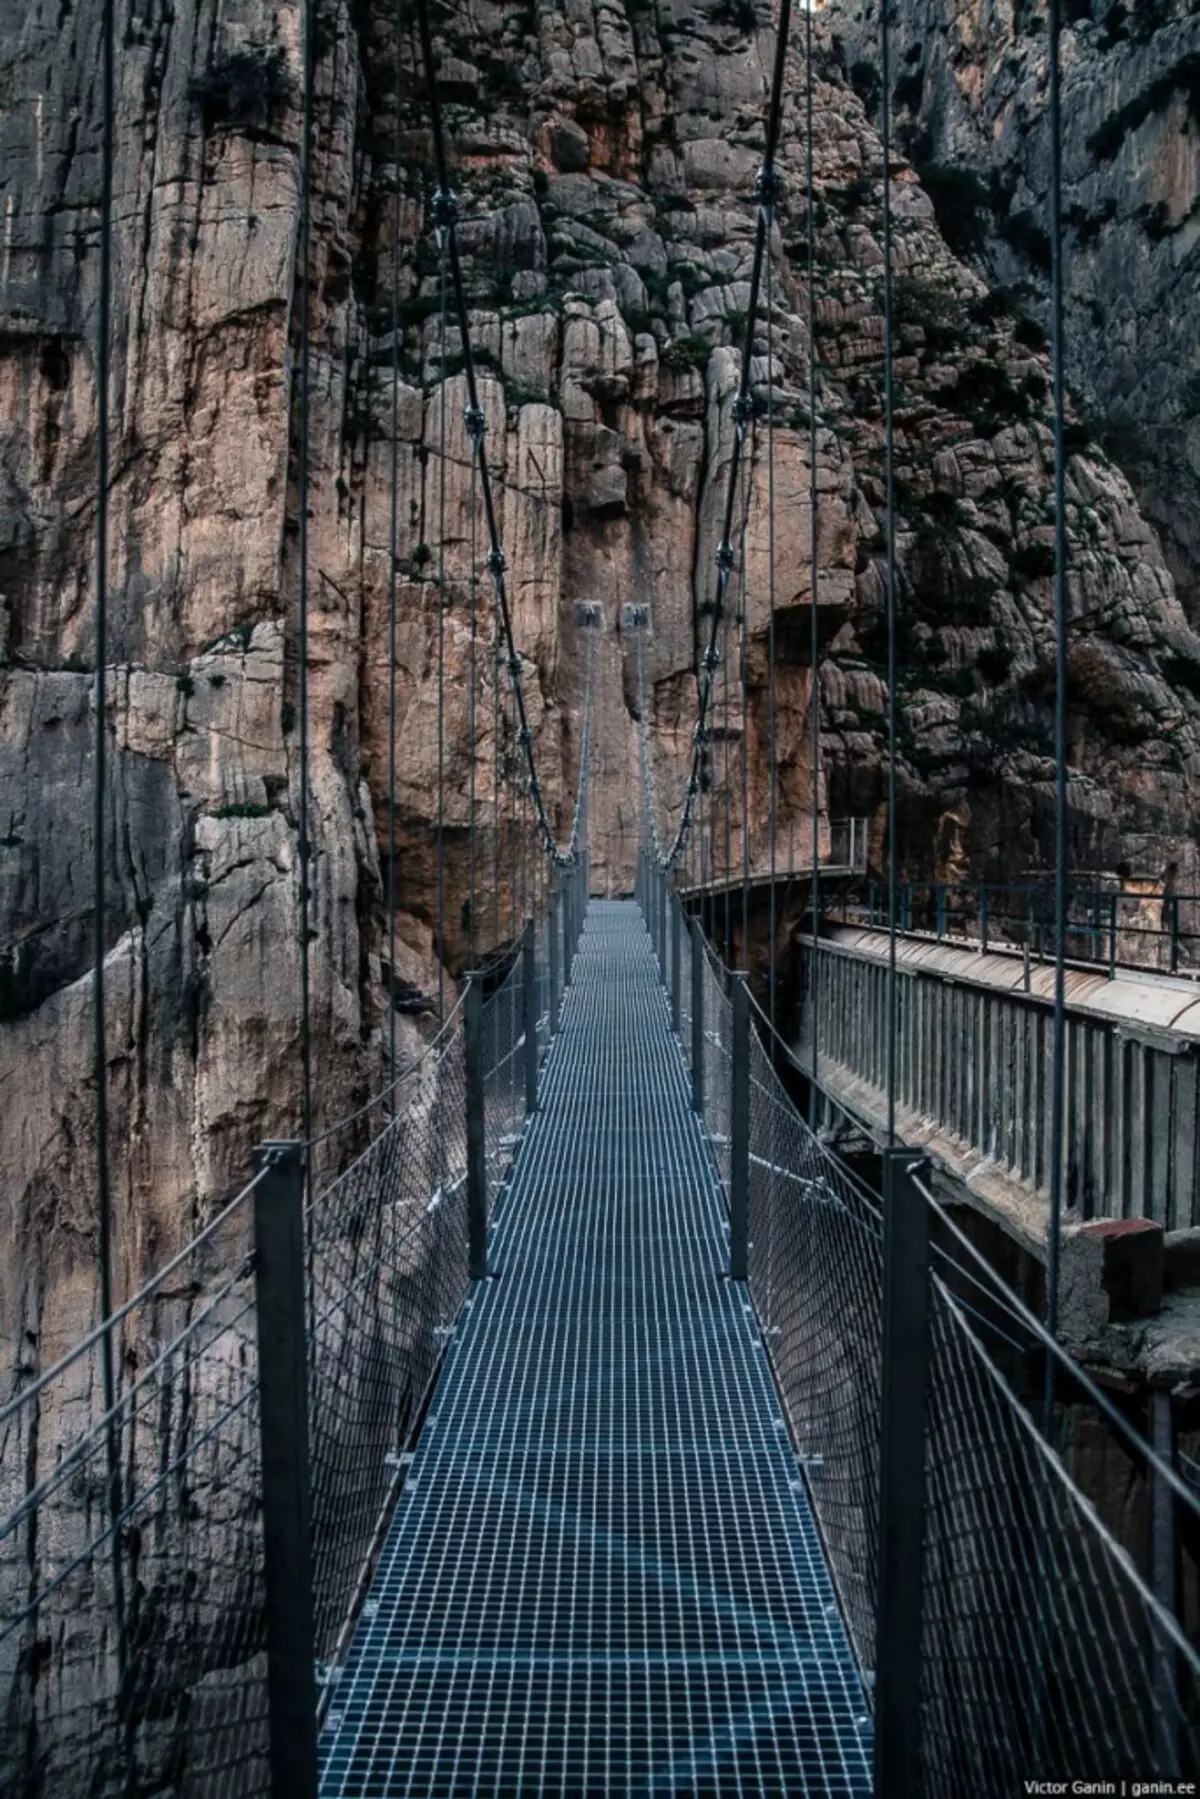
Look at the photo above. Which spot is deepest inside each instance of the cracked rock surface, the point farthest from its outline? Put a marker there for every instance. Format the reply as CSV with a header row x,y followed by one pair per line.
x,y
604,157
971,98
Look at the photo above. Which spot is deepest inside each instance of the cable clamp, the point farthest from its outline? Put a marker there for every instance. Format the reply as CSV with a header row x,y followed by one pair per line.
x,y
474,421
514,668
712,657
725,558
497,562
768,186
445,207
743,411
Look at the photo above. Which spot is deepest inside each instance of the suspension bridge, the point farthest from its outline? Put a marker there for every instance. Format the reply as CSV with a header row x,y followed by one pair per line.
x,y
569,1419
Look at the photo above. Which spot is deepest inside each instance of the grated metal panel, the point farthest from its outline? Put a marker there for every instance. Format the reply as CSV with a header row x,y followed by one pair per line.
x,y
603,1576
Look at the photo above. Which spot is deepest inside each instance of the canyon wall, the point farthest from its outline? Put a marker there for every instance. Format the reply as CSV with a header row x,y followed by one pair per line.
x,y
971,97
604,158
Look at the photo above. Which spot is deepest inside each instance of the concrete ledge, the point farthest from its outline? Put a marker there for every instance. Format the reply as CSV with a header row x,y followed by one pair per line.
x,y
1111,1271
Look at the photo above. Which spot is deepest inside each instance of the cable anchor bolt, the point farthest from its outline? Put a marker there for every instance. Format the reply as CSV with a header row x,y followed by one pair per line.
x,y
743,412
445,207
474,420
725,558
497,562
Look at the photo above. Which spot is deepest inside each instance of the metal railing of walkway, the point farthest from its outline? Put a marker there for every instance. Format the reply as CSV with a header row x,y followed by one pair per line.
x,y
1001,1626
276,1378
604,1575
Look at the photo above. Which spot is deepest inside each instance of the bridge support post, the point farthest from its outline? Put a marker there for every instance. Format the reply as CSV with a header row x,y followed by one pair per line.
x,y
739,1132
529,1009
555,963
279,1282
1164,1579
476,1143
676,911
697,1017
904,1403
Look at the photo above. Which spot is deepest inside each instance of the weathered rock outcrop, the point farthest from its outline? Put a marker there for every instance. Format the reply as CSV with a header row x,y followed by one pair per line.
x,y
971,97
605,158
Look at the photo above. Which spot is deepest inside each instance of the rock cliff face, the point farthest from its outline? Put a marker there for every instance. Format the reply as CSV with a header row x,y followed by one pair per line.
x,y
971,97
605,156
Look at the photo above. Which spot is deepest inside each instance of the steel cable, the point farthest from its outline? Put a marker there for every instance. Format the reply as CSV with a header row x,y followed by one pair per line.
x,y
890,566
104,1228
393,550
446,207
814,634
767,187
443,234
305,846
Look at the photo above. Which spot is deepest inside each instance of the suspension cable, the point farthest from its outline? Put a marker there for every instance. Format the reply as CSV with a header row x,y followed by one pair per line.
x,y
446,208
441,635
393,548
727,796
1058,1049
772,676
305,847
767,190
495,780
743,681
814,634
472,879
99,798
890,569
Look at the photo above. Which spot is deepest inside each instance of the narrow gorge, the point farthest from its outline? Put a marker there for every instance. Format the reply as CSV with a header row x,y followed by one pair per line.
x,y
605,157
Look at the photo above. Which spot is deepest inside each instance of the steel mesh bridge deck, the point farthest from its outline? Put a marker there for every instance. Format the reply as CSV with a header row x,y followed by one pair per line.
x,y
603,1576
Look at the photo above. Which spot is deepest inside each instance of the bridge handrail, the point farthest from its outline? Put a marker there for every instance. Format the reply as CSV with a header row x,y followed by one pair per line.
x,y
132,1536
1042,1644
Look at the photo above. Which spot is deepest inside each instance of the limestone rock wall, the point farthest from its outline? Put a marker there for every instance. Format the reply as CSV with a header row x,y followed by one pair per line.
x,y
604,158
971,97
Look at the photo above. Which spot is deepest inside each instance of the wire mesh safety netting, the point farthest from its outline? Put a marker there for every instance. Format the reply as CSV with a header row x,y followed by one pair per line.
x,y
718,1062
815,1276
133,1645
1042,1647
503,1036
685,978
387,1262
1044,1653
132,1648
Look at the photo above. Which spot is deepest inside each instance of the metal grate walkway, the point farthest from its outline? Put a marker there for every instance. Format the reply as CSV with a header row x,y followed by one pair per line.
x,y
603,1576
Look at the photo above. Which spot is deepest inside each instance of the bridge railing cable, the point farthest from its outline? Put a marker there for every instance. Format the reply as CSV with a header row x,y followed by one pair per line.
x,y
189,1690
446,213
1043,1650
380,1276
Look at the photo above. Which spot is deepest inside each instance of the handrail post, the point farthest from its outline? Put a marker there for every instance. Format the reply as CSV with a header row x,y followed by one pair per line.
x,y
676,914
529,1007
476,1141
904,1401
555,963
697,1017
279,1282
739,1131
